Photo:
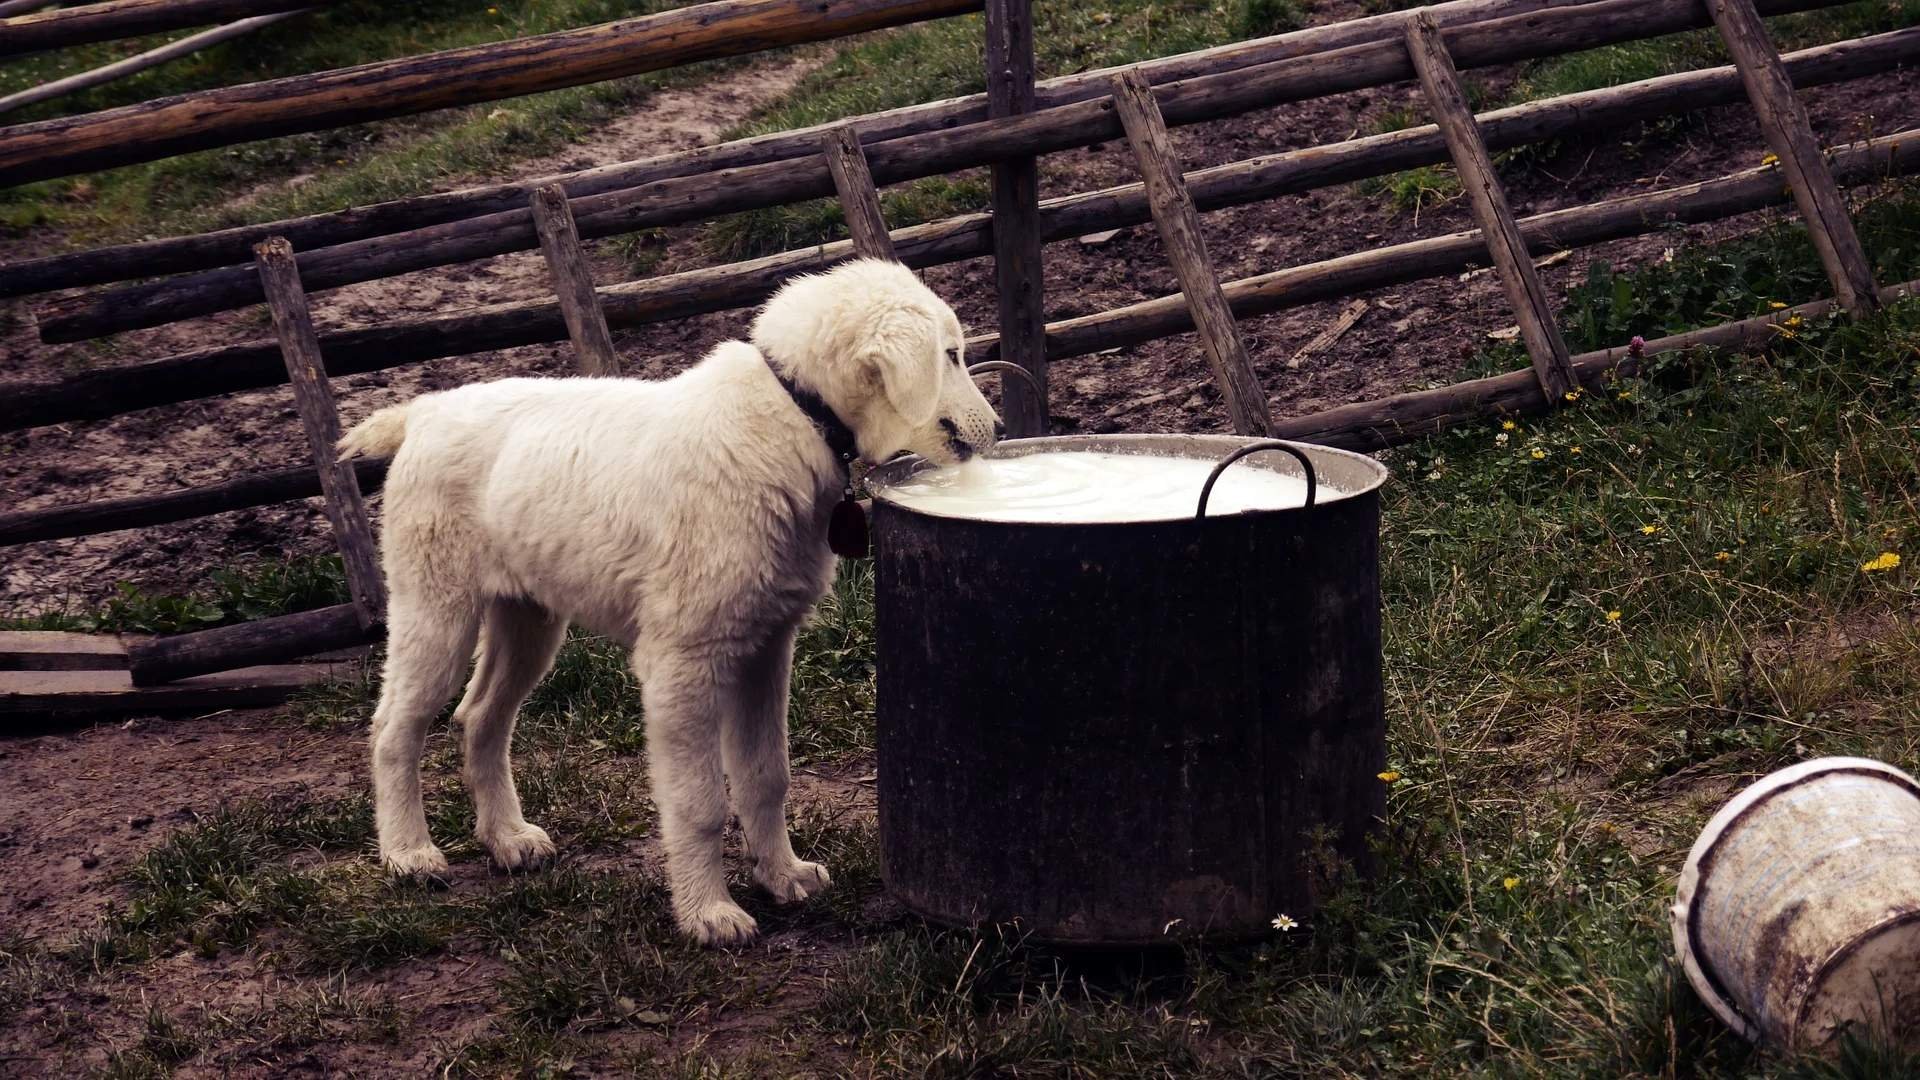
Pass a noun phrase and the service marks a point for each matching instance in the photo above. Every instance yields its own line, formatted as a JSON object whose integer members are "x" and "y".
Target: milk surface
{"x": 1092, "y": 486}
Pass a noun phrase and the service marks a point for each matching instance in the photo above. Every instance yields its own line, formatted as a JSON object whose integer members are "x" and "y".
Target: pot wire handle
{"x": 1206, "y": 490}
{"x": 1008, "y": 367}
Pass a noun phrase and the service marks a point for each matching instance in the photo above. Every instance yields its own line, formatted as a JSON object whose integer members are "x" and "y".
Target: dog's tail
{"x": 378, "y": 435}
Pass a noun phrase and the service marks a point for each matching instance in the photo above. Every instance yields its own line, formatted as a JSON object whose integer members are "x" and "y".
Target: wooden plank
{"x": 1539, "y": 324}
{"x": 1179, "y": 225}
{"x": 1784, "y": 124}
{"x": 441, "y": 80}
{"x": 136, "y": 511}
{"x": 250, "y": 365}
{"x": 224, "y": 648}
{"x": 573, "y": 282}
{"x": 859, "y": 199}
{"x": 61, "y": 650}
{"x": 1348, "y": 316}
{"x": 235, "y": 245}
{"x": 312, "y": 395}
{"x": 139, "y": 62}
{"x": 26, "y": 696}
{"x": 1019, "y": 269}
{"x": 687, "y": 198}
{"x": 116, "y": 19}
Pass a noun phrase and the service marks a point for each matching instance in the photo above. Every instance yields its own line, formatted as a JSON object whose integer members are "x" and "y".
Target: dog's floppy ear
{"x": 905, "y": 352}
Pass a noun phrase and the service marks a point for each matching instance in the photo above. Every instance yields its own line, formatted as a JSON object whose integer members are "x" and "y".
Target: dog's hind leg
{"x": 680, "y": 689}
{"x": 518, "y": 640}
{"x": 754, "y": 746}
{"x": 428, "y": 643}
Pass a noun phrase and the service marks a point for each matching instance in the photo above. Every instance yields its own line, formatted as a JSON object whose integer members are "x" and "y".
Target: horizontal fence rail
{"x": 441, "y": 80}
{"x": 87, "y": 23}
{"x": 251, "y": 365}
{"x": 235, "y": 245}
{"x": 690, "y": 198}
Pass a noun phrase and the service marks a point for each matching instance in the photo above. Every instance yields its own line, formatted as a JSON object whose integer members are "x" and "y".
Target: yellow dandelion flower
{"x": 1887, "y": 560}
{"x": 1722, "y": 556}
{"x": 1770, "y": 159}
{"x": 1508, "y": 425}
{"x": 1649, "y": 530}
{"x": 1538, "y": 454}
{"x": 1389, "y": 776}
{"x": 1511, "y": 883}
{"x": 1792, "y": 320}
{"x": 1613, "y": 616}
{"x": 1574, "y": 450}
{"x": 1776, "y": 305}
{"x": 1572, "y": 395}
{"x": 1626, "y": 395}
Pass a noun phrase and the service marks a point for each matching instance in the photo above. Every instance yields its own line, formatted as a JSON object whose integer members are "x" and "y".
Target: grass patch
{"x": 341, "y": 167}
{"x": 233, "y": 594}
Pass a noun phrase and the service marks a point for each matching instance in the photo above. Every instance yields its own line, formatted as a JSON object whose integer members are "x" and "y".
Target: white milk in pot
{"x": 1083, "y": 486}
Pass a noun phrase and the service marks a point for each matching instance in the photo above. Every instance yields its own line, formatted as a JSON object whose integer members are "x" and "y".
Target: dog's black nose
{"x": 999, "y": 430}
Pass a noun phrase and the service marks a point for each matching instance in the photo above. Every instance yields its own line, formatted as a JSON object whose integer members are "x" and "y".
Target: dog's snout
{"x": 999, "y": 430}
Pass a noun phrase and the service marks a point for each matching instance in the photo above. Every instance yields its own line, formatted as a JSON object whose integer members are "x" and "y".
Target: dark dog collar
{"x": 834, "y": 430}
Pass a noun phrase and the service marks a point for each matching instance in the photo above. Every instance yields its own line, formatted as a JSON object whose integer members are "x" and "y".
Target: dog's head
{"x": 885, "y": 354}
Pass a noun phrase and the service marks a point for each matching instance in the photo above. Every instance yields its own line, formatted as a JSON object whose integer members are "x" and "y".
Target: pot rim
{"x": 1198, "y": 447}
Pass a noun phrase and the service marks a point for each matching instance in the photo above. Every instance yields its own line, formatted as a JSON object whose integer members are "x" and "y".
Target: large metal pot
{"x": 1104, "y": 731}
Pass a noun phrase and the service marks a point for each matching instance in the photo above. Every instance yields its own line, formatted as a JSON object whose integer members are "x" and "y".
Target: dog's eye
{"x": 954, "y": 355}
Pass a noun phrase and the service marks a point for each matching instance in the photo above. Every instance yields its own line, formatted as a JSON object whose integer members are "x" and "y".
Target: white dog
{"x": 686, "y": 519}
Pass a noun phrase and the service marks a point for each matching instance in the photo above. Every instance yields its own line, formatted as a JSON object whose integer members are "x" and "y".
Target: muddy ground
{"x": 77, "y": 810}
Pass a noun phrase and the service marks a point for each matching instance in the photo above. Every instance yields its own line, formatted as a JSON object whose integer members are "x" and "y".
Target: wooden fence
{"x": 1006, "y": 129}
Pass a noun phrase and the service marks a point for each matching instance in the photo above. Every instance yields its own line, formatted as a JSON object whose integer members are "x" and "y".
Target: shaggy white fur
{"x": 684, "y": 518}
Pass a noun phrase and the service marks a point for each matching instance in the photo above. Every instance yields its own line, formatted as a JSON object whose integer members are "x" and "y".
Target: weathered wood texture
{"x": 1539, "y": 327}
{"x": 1784, "y": 124}
{"x": 1179, "y": 227}
{"x": 29, "y": 698}
{"x": 118, "y": 19}
{"x": 690, "y": 198}
{"x": 859, "y": 199}
{"x": 139, "y": 62}
{"x": 1019, "y": 270}
{"x": 235, "y": 245}
{"x": 313, "y": 396}
{"x": 262, "y": 641}
{"x": 573, "y": 283}
{"x": 19, "y": 7}
{"x": 61, "y": 650}
{"x": 1402, "y": 418}
{"x": 250, "y": 365}
{"x": 138, "y": 511}
{"x": 441, "y": 80}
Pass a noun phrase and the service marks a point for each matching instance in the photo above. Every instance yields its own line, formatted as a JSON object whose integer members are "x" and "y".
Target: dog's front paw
{"x": 793, "y": 882}
{"x": 522, "y": 847}
{"x": 719, "y": 925}
{"x": 424, "y": 861}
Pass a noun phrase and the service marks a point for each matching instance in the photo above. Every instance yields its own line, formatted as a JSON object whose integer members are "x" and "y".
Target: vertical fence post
{"x": 1179, "y": 225}
{"x": 1552, "y": 364}
{"x": 1016, "y": 220}
{"x": 859, "y": 199}
{"x": 346, "y": 511}
{"x": 1789, "y": 135}
{"x": 567, "y": 262}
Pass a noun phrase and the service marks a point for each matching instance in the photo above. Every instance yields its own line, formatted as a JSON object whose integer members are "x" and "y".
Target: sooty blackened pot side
{"x": 1099, "y": 729}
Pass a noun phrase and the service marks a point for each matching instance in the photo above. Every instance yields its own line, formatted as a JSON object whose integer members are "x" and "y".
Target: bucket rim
{"x": 1705, "y": 981}
{"x": 1203, "y": 448}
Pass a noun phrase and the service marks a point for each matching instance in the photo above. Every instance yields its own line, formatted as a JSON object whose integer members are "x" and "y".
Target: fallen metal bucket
{"x": 1798, "y": 916}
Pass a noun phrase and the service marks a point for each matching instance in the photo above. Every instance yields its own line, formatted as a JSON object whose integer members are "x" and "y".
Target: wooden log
{"x": 1532, "y": 308}
{"x": 61, "y": 650}
{"x": 18, "y": 7}
{"x": 29, "y": 699}
{"x": 312, "y": 395}
{"x": 116, "y": 19}
{"x": 691, "y": 198}
{"x": 235, "y": 245}
{"x": 859, "y": 199}
{"x": 416, "y": 84}
{"x": 262, "y": 641}
{"x": 1784, "y": 124}
{"x": 1019, "y": 271}
{"x": 1179, "y": 226}
{"x": 573, "y": 283}
{"x": 1403, "y": 418}
{"x": 140, "y": 511}
{"x": 1329, "y": 279}
{"x": 222, "y": 369}
{"x": 139, "y": 62}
